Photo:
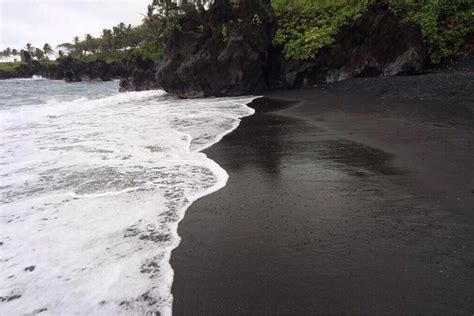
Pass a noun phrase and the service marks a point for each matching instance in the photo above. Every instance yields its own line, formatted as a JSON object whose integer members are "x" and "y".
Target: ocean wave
{"x": 92, "y": 192}
{"x": 34, "y": 77}
{"x": 54, "y": 107}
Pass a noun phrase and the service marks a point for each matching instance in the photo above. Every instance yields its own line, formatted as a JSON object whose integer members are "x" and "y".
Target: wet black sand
{"x": 358, "y": 200}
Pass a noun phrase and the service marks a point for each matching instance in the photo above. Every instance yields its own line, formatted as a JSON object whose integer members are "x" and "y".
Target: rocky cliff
{"x": 221, "y": 52}
{"x": 376, "y": 44}
{"x": 228, "y": 51}
{"x": 72, "y": 70}
{"x": 135, "y": 74}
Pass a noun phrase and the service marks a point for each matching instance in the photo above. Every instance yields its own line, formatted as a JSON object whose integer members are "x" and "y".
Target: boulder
{"x": 142, "y": 77}
{"x": 139, "y": 81}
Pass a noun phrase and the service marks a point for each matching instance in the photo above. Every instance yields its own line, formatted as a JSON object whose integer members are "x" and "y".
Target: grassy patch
{"x": 10, "y": 66}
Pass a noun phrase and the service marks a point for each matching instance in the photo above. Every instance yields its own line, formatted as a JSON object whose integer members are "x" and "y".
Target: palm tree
{"x": 7, "y": 52}
{"x": 29, "y": 48}
{"x": 161, "y": 17}
{"x": 48, "y": 50}
{"x": 116, "y": 36}
{"x": 39, "y": 54}
{"x": 25, "y": 56}
{"x": 14, "y": 54}
{"x": 107, "y": 40}
{"x": 152, "y": 23}
{"x": 66, "y": 47}
{"x": 88, "y": 43}
{"x": 77, "y": 45}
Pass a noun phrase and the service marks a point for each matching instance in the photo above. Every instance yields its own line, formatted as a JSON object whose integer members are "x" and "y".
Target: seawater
{"x": 93, "y": 184}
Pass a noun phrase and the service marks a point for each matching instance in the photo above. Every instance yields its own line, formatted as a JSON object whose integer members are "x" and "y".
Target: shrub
{"x": 444, "y": 23}
{"x": 149, "y": 51}
{"x": 305, "y": 26}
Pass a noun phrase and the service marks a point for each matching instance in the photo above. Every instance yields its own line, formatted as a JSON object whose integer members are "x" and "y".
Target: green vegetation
{"x": 146, "y": 41}
{"x": 122, "y": 42}
{"x": 305, "y": 26}
{"x": 444, "y": 23}
{"x": 225, "y": 32}
{"x": 10, "y": 66}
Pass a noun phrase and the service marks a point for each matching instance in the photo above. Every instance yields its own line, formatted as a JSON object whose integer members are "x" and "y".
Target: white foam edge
{"x": 222, "y": 178}
{"x": 219, "y": 137}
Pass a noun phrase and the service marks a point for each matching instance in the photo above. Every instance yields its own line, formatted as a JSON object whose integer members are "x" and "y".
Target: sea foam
{"x": 92, "y": 191}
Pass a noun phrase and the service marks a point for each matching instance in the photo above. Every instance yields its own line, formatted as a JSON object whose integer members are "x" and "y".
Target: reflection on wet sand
{"x": 357, "y": 159}
{"x": 311, "y": 222}
{"x": 275, "y": 137}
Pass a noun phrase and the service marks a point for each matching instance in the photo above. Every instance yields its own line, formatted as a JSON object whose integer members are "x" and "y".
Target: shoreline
{"x": 345, "y": 203}
{"x": 75, "y": 158}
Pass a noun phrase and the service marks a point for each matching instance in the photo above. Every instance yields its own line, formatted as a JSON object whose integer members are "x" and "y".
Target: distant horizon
{"x": 59, "y": 21}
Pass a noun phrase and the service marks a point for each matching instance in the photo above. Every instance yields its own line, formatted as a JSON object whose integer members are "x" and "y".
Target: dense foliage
{"x": 305, "y": 26}
{"x": 444, "y": 23}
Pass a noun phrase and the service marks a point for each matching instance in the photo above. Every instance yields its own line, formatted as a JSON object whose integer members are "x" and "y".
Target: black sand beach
{"x": 357, "y": 200}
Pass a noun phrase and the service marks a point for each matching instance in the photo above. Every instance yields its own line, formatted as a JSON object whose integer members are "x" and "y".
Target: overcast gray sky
{"x": 58, "y": 21}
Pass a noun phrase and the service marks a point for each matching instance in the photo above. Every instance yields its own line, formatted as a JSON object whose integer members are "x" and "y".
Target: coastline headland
{"x": 249, "y": 47}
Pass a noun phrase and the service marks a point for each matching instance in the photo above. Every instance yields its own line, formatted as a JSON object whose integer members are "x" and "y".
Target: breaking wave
{"x": 93, "y": 186}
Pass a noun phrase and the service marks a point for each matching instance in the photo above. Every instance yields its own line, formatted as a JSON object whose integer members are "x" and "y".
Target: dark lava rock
{"x": 220, "y": 52}
{"x": 14, "y": 74}
{"x": 378, "y": 43}
{"x": 72, "y": 70}
{"x": 142, "y": 78}
{"x": 23, "y": 71}
{"x": 227, "y": 51}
